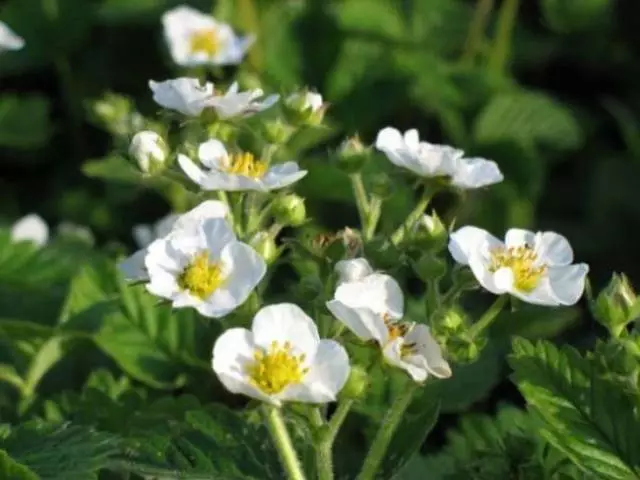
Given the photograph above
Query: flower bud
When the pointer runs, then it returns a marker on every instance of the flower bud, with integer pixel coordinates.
(265, 245)
(221, 131)
(149, 150)
(430, 233)
(615, 304)
(429, 267)
(289, 210)
(352, 155)
(277, 132)
(306, 107)
(357, 383)
(352, 241)
(382, 186)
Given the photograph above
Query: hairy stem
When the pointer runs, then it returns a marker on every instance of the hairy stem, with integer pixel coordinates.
(412, 218)
(324, 448)
(282, 440)
(488, 317)
(362, 202)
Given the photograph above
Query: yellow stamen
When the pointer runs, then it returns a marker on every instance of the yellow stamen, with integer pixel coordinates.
(206, 41)
(395, 329)
(521, 260)
(247, 165)
(277, 368)
(408, 349)
(201, 277)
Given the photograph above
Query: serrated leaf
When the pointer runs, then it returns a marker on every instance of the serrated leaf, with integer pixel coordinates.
(528, 119)
(590, 419)
(24, 121)
(12, 470)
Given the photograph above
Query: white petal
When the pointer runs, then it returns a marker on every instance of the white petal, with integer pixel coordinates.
(353, 269)
(427, 347)
(478, 265)
(476, 173)
(363, 322)
(164, 226)
(393, 355)
(212, 153)
(518, 237)
(286, 322)
(469, 240)
(554, 249)
(8, 39)
(185, 95)
(541, 295)
(30, 228)
(163, 254)
(412, 139)
(195, 216)
(377, 292)
(133, 268)
(567, 283)
(218, 234)
(328, 372)
(162, 283)
(244, 269)
(142, 235)
(282, 175)
(232, 353)
(391, 142)
(503, 280)
(191, 170)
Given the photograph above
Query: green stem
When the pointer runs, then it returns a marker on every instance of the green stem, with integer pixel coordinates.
(502, 44)
(282, 440)
(477, 29)
(388, 427)
(375, 209)
(488, 317)
(433, 297)
(412, 218)
(324, 448)
(224, 198)
(362, 202)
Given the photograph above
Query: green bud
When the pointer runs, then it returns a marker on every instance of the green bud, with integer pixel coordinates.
(352, 155)
(305, 107)
(150, 151)
(463, 278)
(614, 305)
(357, 383)
(430, 233)
(277, 132)
(116, 114)
(289, 210)
(382, 186)
(429, 267)
(221, 131)
(265, 245)
(453, 320)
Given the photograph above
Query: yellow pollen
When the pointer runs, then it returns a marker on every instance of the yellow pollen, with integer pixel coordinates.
(247, 165)
(396, 329)
(277, 368)
(407, 349)
(206, 41)
(521, 260)
(201, 277)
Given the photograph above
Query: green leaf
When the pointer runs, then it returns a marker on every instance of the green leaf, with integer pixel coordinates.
(528, 119)
(569, 16)
(591, 419)
(24, 121)
(12, 470)
(60, 452)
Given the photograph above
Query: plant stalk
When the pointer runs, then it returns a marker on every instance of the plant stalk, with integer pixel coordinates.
(501, 49)
(412, 218)
(477, 29)
(324, 448)
(488, 317)
(282, 440)
(362, 202)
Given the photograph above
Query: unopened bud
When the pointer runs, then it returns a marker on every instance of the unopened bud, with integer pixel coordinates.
(149, 150)
(614, 305)
(277, 132)
(221, 131)
(289, 210)
(430, 233)
(353, 154)
(306, 107)
(429, 267)
(382, 186)
(357, 383)
(266, 247)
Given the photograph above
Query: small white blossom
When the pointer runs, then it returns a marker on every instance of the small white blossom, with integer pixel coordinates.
(239, 171)
(30, 228)
(281, 359)
(430, 160)
(149, 150)
(195, 38)
(133, 268)
(234, 103)
(8, 39)
(310, 101)
(372, 306)
(353, 270)
(535, 267)
(207, 269)
(185, 95)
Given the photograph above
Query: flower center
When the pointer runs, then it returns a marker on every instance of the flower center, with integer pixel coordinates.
(277, 368)
(395, 329)
(201, 277)
(521, 260)
(247, 165)
(206, 41)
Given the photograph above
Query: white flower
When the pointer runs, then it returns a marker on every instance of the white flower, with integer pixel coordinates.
(372, 307)
(207, 269)
(281, 359)
(535, 267)
(195, 38)
(239, 171)
(234, 103)
(305, 101)
(430, 160)
(149, 150)
(8, 39)
(30, 228)
(133, 268)
(353, 269)
(185, 95)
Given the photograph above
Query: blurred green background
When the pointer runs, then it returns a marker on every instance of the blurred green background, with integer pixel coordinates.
(547, 88)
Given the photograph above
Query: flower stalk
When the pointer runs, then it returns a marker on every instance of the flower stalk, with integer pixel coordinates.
(284, 445)
(387, 429)
(324, 446)
(488, 317)
(362, 202)
(413, 217)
